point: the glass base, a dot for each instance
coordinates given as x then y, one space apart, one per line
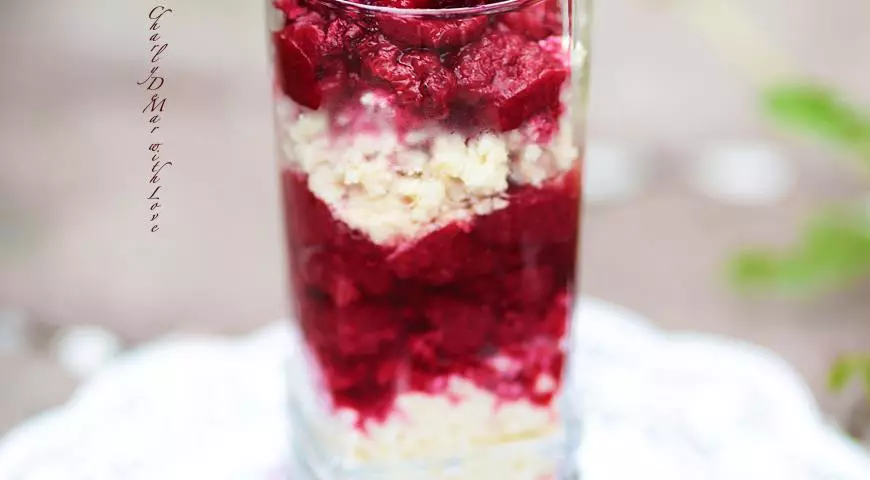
547 458
328 447
303 468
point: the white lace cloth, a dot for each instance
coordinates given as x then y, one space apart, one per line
657 406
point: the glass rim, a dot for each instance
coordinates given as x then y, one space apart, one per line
502 6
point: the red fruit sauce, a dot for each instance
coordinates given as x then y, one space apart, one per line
490 71
382 320
376 316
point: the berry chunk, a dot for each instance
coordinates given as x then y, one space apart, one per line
418 78
556 321
535 216
341 34
297 71
366 328
438 4
437 258
440 34
437 84
309 220
297 57
405 3
516 327
309 32
292 9
510 78
530 286
463 326
334 80
536 22
322 271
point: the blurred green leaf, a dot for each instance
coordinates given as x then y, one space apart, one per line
833 251
819 112
846 369
842 372
867 378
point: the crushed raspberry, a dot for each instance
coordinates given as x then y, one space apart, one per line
437 34
536 22
542 127
437 85
433 4
292 9
529 286
297 70
335 80
341 34
535 215
437 258
463 325
471 72
423 311
510 78
365 329
406 3
417 77
516 327
309 32
342 271
308 219
554 322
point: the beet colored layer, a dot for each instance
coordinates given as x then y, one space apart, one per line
491 71
380 319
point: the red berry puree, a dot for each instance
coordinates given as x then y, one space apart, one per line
385 319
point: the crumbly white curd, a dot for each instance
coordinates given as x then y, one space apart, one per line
462 422
391 187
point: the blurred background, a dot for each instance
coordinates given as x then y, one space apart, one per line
685 172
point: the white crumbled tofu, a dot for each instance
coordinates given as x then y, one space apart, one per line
389 187
464 417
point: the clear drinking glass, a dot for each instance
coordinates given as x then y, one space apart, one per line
430 156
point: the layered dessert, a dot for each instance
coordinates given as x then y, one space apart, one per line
431 188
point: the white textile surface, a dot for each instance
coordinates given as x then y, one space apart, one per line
656 406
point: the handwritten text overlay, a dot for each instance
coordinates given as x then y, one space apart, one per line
154 109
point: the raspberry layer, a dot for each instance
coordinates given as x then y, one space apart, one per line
480 72
435 307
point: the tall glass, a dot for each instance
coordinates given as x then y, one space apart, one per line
430 155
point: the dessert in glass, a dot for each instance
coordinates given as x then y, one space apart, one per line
430 158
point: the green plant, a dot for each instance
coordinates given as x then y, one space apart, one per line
833 249
847 369
820 112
